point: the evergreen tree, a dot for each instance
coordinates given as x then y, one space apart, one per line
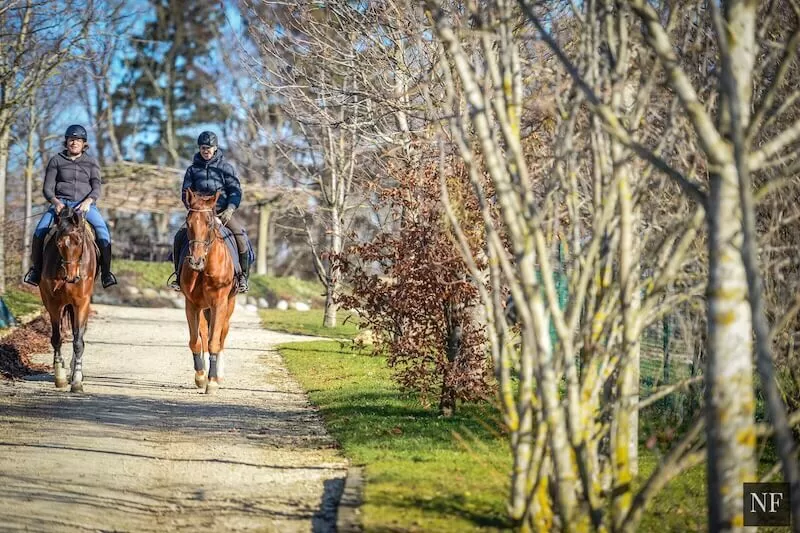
168 91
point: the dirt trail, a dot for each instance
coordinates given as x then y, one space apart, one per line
144 450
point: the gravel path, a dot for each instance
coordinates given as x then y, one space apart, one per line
144 450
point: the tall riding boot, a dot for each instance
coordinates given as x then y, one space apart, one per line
34 275
106 276
177 244
244 260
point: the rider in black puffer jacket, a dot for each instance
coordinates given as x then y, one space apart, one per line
209 173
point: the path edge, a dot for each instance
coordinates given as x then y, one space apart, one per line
348 515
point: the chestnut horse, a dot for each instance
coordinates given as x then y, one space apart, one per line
68 274
208 283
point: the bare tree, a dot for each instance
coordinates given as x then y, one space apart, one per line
723 127
314 71
102 49
33 50
561 181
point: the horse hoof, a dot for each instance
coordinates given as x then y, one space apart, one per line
77 387
61 383
200 381
212 387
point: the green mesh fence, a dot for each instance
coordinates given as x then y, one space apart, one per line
665 355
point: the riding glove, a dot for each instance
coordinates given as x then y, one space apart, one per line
226 215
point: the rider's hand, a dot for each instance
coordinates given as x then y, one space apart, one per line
58 207
85 205
226 215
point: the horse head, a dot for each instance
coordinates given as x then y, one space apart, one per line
201 224
70 236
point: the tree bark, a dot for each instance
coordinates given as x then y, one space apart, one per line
5 134
264 212
729 378
30 156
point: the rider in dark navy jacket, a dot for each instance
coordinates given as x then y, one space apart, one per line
209 173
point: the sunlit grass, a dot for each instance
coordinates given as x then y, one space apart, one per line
423 472
21 302
309 323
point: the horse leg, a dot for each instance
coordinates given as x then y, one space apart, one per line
216 324
79 313
196 344
231 305
203 333
59 369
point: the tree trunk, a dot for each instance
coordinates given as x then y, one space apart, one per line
263 239
4 140
332 284
625 445
729 394
109 120
729 379
29 165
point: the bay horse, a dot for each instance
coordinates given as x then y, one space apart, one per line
208 284
69 270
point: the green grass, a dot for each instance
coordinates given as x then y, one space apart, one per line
309 323
22 302
153 275
681 506
426 473
423 472
144 274
287 288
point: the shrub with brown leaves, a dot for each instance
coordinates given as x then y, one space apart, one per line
412 288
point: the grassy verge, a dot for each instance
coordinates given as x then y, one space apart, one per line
22 302
153 275
423 472
308 323
144 274
426 473
287 288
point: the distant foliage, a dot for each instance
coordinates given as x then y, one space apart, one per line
412 288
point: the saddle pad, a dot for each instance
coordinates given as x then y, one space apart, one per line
230 242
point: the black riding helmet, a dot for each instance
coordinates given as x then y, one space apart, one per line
208 138
77 131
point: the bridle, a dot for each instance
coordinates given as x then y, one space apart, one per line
63 263
211 229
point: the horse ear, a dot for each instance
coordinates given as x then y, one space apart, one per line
216 196
189 196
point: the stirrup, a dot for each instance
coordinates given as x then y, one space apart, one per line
175 283
33 277
108 279
242 284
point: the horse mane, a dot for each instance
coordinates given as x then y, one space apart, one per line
202 198
68 219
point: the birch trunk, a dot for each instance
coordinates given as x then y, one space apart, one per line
332 285
263 236
729 396
5 135
625 446
729 378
